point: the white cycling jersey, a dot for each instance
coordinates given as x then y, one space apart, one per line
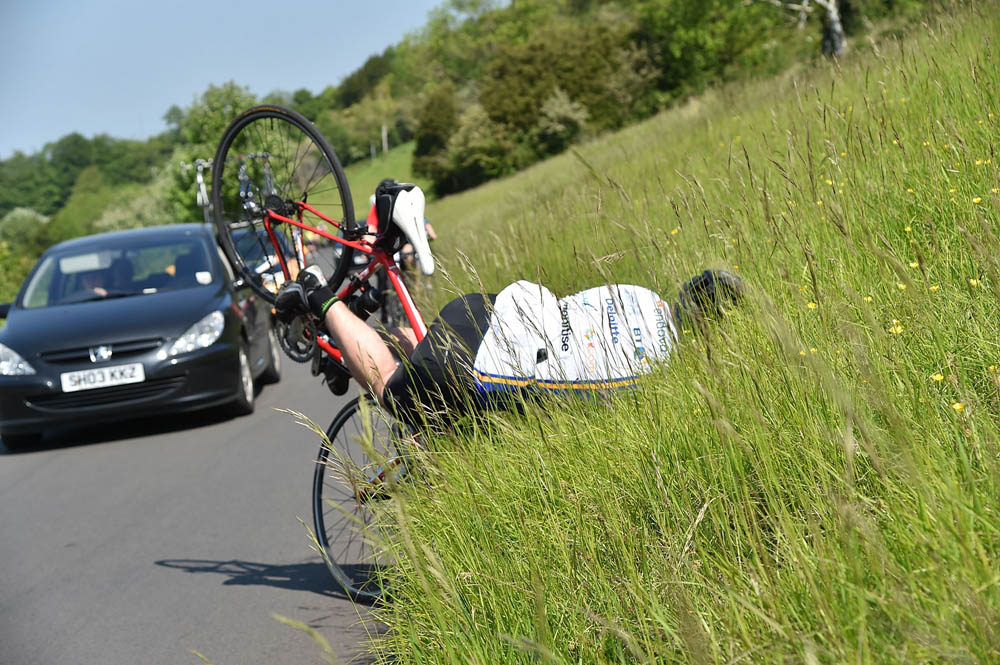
601 338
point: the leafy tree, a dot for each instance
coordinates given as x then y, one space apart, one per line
67 157
23 229
436 122
586 61
478 151
25 182
694 44
14 267
90 196
205 120
562 121
174 119
363 81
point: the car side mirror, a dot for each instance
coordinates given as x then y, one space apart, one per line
4 308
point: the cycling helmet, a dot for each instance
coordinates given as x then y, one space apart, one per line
707 295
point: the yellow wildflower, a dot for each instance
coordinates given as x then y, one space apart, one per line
868 298
958 406
811 305
802 353
675 231
829 182
896 327
952 190
813 350
938 376
973 282
977 199
901 286
914 264
935 287
908 228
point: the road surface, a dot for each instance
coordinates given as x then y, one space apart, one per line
145 541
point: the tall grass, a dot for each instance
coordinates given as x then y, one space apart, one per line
816 480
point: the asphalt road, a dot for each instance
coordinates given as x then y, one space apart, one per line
140 542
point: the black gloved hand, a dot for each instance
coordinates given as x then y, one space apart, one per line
291 302
318 293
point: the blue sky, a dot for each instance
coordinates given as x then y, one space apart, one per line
116 66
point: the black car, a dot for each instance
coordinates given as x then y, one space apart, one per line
131 323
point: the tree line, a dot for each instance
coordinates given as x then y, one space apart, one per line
485 88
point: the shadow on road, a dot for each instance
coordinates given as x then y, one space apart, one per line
298 577
312 577
67 437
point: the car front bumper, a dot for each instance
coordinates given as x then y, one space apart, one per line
198 379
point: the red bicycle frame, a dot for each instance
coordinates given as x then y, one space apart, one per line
380 260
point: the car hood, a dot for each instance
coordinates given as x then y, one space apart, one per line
167 315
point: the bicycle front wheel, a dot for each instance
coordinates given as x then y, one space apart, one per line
354 480
273 159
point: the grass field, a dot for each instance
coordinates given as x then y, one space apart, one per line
814 481
364 176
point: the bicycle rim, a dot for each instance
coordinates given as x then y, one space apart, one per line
352 486
272 158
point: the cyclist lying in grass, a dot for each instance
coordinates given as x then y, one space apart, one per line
483 349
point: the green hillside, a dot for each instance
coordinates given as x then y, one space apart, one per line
364 176
815 479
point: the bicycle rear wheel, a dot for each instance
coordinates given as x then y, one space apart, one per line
352 484
273 158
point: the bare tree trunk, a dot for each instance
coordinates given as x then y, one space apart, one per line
834 41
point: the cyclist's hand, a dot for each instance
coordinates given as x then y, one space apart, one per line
318 294
291 302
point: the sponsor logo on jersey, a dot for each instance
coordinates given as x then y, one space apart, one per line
639 354
661 327
609 306
591 354
566 330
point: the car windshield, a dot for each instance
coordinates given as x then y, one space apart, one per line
257 252
119 268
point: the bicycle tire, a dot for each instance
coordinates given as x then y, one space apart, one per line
271 157
353 479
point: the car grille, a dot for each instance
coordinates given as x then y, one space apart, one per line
118 350
100 397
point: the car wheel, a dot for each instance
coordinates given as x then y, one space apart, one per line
244 402
21 440
272 373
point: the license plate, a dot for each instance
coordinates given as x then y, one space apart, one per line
102 377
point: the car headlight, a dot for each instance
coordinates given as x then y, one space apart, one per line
202 334
11 364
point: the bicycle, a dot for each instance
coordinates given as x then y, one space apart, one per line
278 176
